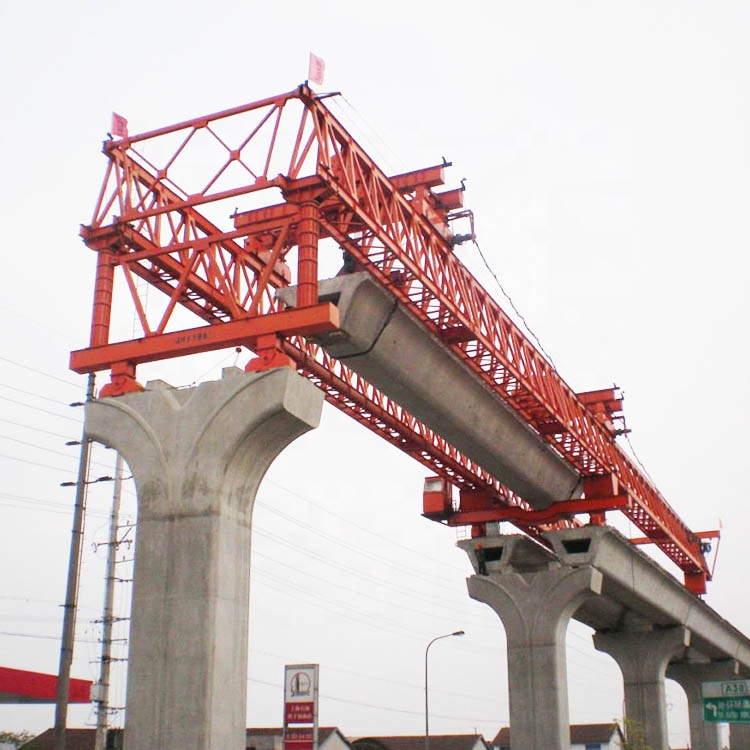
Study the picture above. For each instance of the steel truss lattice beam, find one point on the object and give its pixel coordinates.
(161, 219)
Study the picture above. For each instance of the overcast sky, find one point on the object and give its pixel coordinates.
(604, 147)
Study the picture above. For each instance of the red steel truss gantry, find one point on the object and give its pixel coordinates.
(302, 182)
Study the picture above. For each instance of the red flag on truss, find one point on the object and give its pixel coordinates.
(119, 126)
(317, 70)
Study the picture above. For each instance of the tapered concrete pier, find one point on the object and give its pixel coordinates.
(643, 653)
(198, 456)
(739, 736)
(689, 675)
(535, 599)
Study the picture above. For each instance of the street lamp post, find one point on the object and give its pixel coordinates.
(426, 691)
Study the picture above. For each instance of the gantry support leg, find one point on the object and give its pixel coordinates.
(197, 456)
(689, 675)
(642, 655)
(535, 604)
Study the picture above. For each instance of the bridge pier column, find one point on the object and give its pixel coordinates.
(689, 675)
(197, 456)
(739, 736)
(535, 599)
(642, 655)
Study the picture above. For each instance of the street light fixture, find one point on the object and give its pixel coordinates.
(426, 691)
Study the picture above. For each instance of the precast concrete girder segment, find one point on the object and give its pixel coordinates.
(639, 584)
(383, 343)
(633, 585)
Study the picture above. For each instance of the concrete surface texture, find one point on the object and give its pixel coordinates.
(382, 342)
(739, 736)
(689, 675)
(197, 456)
(642, 655)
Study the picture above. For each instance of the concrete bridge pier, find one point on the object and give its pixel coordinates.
(739, 736)
(689, 675)
(535, 599)
(643, 653)
(197, 456)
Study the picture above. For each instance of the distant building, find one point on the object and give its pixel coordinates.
(329, 738)
(416, 742)
(75, 739)
(582, 737)
(272, 738)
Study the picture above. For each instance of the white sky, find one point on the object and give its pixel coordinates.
(605, 150)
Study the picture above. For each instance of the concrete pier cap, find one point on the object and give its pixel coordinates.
(503, 553)
(381, 341)
(194, 423)
(198, 456)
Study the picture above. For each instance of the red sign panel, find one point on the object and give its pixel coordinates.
(299, 739)
(299, 713)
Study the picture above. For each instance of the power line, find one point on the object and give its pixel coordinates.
(338, 587)
(388, 562)
(513, 305)
(36, 446)
(413, 713)
(39, 409)
(33, 394)
(321, 508)
(390, 709)
(34, 463)
(34, 429)
(60, 508)
(284, 585)
(42, 637)
(46, 450)
(410, 593)
(388, 680)
(41, 372)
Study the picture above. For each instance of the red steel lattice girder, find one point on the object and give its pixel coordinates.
(151, 228)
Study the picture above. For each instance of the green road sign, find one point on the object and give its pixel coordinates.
(734, 710)
(726, 701)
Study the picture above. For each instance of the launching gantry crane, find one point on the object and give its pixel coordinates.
(169, 214)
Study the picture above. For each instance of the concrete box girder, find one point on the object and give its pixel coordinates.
(643, 616)
(633, 585)
(639, 584)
